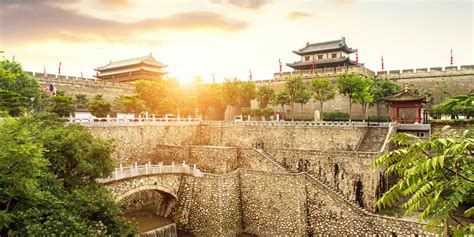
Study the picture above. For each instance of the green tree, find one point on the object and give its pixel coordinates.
(436, 176)
(323, 90)
(303, 98)
(294, 87)
(61, 104)
(23, 89)
(247, 93)
(99, 107)
(348, 85)
(81, 101)
(157, 94)
(130, 104)
(47, 179)
(264, 95)
(231, 93)
(365, 95)
(459, 105)
(383, 88)
(281, 99)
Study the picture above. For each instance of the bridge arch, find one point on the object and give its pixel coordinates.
(137, 189)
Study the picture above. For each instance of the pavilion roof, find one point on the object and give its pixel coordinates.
(320, 62)
(146, 60)
(324, 46)
(405, 95)
(133, 70)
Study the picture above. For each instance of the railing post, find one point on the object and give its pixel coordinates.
(172, 167)
(146, 168)
(160, 167)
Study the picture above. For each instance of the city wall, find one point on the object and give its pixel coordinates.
(438, 81)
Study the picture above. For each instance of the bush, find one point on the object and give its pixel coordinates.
(452, 121)
(245, 111)
(267, 112)
(256, 112)
(335, 116)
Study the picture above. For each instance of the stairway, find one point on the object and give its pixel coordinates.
(373, 140)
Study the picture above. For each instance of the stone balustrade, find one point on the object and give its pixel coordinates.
(112, 122)
(150, 169)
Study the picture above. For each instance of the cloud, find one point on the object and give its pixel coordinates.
(38, 21)
(249, 4)
(116, 3)
(294, 15)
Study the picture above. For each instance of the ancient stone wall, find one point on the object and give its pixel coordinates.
(348, 172)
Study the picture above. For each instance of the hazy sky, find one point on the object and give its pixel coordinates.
(231, 37)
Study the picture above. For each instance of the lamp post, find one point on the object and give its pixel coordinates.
(32, 103)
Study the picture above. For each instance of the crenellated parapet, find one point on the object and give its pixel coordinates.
(53, 78)
(432, 72)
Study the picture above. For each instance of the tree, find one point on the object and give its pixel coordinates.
(436, 176)
(99, 107)
(248, 91)
(459, 105)
(294, 87)
(47, 174)
(231, 93)
(365, 95)
(130, 104)
(323, 90)
(264, 95)
(81, 101)
(18, 89)
(383, 88)
(349, 84)
(157, 94)
(281, 99)
(61, 104)
(303, 98)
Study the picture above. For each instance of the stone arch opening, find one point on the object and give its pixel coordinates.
(359, 193)
(159, 201)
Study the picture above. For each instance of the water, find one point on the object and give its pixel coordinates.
(147, 220)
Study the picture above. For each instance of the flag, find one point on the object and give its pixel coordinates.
(213, 78)
(82, 76)
(382, 62)
(44, 70)
(281, 67)
(357, 56)
(451, 57)
(59, 69)
(250, 75)
(13, 58)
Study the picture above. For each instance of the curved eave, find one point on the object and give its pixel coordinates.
(344, 48)
(106, 69)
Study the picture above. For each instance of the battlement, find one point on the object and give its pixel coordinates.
(427, 72)
(323, 72)
(73, 80)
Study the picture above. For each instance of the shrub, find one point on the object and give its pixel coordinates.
(267, 112)
(335, 116)
(245, 111)
(256, 112)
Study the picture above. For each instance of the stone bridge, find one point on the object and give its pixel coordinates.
(160, 182)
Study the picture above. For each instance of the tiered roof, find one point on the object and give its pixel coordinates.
(405, 95)
(324, 47)
(145, 64)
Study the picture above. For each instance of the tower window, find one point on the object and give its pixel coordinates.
(334, 55)
(320, 56)
(306, 58)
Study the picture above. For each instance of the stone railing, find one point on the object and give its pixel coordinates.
(113, 122)
(298, 123)
(150, 169)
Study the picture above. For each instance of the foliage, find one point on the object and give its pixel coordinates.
(247, 92)
(281, 98)
(245, 111)
(158, 95)
(81, 101)
(293, 88)
(323, 90)
(383, 88)
(47, 180)
(231, 92)
(364, 96)
(436, 176)
(99, 107)
(256, 112)
(303, 98)
(264, 95)
(452, 121)
(459, 105)
(61, 104)
(130, 104)
(267, 112)
(348, 85)
(17, 89)
(334, 116)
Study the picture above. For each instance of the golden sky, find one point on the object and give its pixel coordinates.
(228, 38)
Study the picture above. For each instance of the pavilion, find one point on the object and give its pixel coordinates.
(408, 103)
(141, 68)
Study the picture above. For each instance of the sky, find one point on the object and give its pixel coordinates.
(230, 38)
